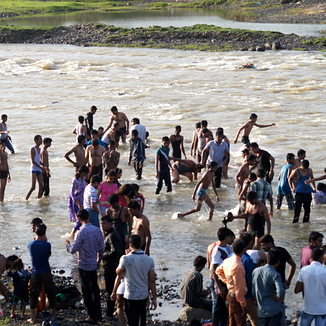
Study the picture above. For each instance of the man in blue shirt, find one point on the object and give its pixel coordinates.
(268, 290)
(40, 250)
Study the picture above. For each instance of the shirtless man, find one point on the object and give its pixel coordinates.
(79, 152)
(188, 168)
(300, 158)
(81, 128)
(225, 166)
(120, 217)
(94, 154)
(45, 162)
(123, 121)
(111, 157)
(140, 225)
(200, 191)
(194, 137)
(36, 168)
(204, 135)
(176, 141)
(4, 170)
(111, 134)
(247, 127)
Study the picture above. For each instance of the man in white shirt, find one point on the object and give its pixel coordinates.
(140, 128)
(312, 281)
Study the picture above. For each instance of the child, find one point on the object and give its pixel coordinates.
(139, 197)
(20, 278)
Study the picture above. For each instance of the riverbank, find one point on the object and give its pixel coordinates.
(198, 37)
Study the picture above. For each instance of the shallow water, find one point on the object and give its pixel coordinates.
(45, 87)
(177, 17)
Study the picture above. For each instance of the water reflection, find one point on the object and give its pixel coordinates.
(165, 17)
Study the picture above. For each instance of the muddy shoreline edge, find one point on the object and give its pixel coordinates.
(197, 37)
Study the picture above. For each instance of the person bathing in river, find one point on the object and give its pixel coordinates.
(4, 133)
(4, 170)
(123, 121)
(176, 141)
(188, 168)
(247, 127)
(200, 191)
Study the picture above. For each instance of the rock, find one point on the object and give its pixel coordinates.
(260, 48)
(268, 46)
(276, 45)
(244, 49)
(189, 313)
(252, 48)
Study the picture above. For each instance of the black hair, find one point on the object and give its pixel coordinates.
(107, 218)
(178, 127)
(80, 139)
(83, 214)
(36, 137)
(95, 179)
(212, 164)
(113, 198)
(133, 204)
(246, 238)
(245, 150)
(301, 152)
(251, 157)
(12, 258)
(94, 132)
(316, 254)
(224, 232)
(204, 123)
(47, 140)
(305, 164)
(18, 265)
(136, 121)
(261, 173)
(81, 119)
(135, 241)
(95, 142)
(267, 238)
(165, 138)
(82, 169)
(198, 125)
(238, 246)
(135, 186)
(314, 235)
(252, 195)
(36, 221)
(273, 256)
(114, 109)
(40, 229)
(200, 261)
(93, 108)
(253, 145)
(252, 176)
(253, 116)
(290, 156)
(3, 116)
(134, 132)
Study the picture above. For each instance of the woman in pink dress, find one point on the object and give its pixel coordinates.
(105, 189)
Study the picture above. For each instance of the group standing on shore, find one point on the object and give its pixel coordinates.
(95, 203)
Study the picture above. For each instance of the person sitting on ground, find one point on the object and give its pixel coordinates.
(192, 292)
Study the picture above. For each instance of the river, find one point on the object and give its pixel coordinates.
(45, 87)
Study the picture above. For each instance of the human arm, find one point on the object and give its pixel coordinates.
(292, 179)
(157, 159)
(87, 154)
(66, 156)
(148, 235)
(313, 183)
(264, 126)
(271, 171)
(127, 124)
(182, 148)
(311, 180)
(280, 291)
(204, 156)
(264, 212)
(194, 145)
(238, 133)
(120, 273)
(291, 272)
(298, 287)
(152, 287)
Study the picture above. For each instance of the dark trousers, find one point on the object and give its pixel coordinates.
(91, 293)
(236, 316)
(109, 276)
(164, 175)
(305, 200)
(36, 285)
(46, 184)
(221, 314)
(218, 177)
(139, 170)
(135, 312)
(270, 321)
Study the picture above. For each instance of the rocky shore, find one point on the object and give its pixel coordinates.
(198, 37)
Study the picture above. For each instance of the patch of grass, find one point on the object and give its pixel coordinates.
(159, 5)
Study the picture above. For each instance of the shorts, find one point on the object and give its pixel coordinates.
(3, 174)
(121, 287)
(37, 172)
(201, 193)
(245, 140)
(14, 300)
(121, 131)
(182, 168)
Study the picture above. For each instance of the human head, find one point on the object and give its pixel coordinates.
(177, 130)
(261, 173)
(4, 117)
(94, 134)
(200, 262)
(301, 153)
(220, 130)
(100, 131)
(253, 116)
(213, 166)
(316, 239)
(40, 230)
(95, 142)
(135, 241)
(95, 181)
(82, 172)
(83, 215)
(106, 223)
(252, 197)
(238, 247)
(251, 159)
(254, 147)
(273, 257)
(18, 265)
(81, 119)
(35, 222)
(321, 186)
(204, 124)
(116, 125)
(38, 139)
(290, 158)
(113, 199)
(111, 176)
(114, 109)
(248, 239)
(10, 260)
(47, 141)
(135, 121)
(165, 141)
(136, 188)
(305, 164)
(245, 152)
(134, 134)
(252, 176)
(198, 125)
(112, 145)
(133, 207)
(93, 109)
(225, 234)
(267, 242)
(317, 254)
(81, 140)
(119, 173)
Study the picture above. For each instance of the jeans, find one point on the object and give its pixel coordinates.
(46, 184)
(138, 169)
(289, 198)
(9, 145)
(270, 321)
(305, 200)
(136, 311)
(93, 217)
(91, 293)
(306, 319)
(109, 275)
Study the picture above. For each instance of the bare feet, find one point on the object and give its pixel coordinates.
(180, 215)
(31, 321)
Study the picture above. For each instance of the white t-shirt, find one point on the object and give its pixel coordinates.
(216, 152)
(217, 258)
(141, 131)
(313, 278)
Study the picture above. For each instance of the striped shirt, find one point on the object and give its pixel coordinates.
(89, 245)
(90, 196)
(192, 287)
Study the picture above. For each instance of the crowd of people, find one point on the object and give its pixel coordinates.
(109, 224)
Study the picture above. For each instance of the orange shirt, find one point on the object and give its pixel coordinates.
(232, 273)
